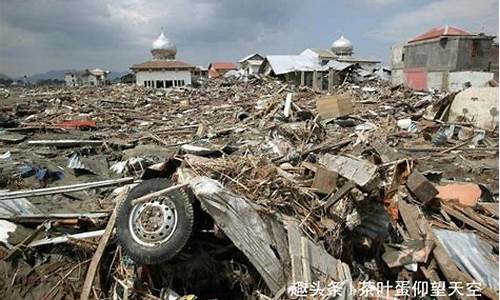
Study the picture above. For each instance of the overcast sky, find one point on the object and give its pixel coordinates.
(41, 35)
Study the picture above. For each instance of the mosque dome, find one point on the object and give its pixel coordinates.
(163, 48)
(342, 46)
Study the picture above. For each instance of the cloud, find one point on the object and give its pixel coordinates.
(378, 2)
(472, 16)
(40, 35)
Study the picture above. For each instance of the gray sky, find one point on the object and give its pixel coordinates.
(41, 35)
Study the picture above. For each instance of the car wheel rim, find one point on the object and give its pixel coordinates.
(153, 222)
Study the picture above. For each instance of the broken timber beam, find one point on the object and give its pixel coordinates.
(463, 218)
(65, 143)
(65, 189)
(103, 242)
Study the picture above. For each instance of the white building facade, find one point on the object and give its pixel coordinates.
(250, 64)
(163, 71)
(93, 77)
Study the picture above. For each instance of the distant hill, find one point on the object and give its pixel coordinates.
(59, 74)
(54, 74)
(3, 76)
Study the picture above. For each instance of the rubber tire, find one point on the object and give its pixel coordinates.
(167, 250)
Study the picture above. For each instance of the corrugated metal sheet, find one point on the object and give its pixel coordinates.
(282, 64)
(471, 255)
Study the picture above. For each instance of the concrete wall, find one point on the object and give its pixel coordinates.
(398, 76)
(456, 80)
(437, 81)
(494, 60)
(474, 55)
(71, 79)
(478, 105)
(251, 66)
(90, 80)
(451, 54)
(439, 55)
(142, 76)
(397, 57)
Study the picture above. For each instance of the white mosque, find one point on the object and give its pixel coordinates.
(163, 71)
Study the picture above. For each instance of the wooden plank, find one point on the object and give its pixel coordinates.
(314, 263)
(458, 215)
(344, 190)
(410, 214)
(103, 242)
(324, 181)
(65, 143)
(294, 246)
(334, 106)
(422, 188)
(362, 172)
(64, 189)
(491, 207)
(24, 243)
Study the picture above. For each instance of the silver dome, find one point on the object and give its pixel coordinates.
(342, 46)
(163, 48)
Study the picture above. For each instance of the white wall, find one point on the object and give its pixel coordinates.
(435, 81)
(251, 67)
(456, 80)
(398, 77)
(142, 76)
(71, 80)
(478, 105)
(396, 57)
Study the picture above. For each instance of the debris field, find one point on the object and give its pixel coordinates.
(272, 190)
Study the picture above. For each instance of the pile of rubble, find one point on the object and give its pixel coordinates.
(248, 190)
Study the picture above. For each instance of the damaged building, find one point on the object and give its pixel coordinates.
(320, 69)
(94, 77)
(445, 58)
(248, 189)
(250, 64)
(218, 69)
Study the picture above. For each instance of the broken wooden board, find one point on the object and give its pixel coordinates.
(491, 207)
(103, 242)
(334, 106)
(312, 263)
(259, 236)
(65, 143)
(324, 181)
(421, 187)
(361, 172)
(466, 220)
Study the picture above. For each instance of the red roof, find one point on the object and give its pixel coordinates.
(439, 32)
(162, 64)
(223, 66)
